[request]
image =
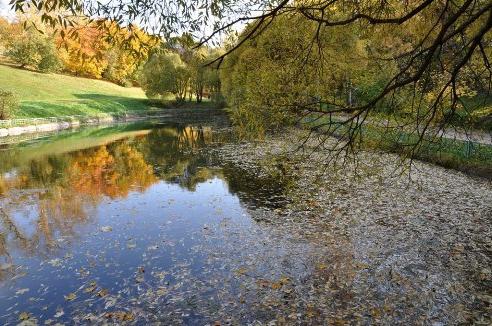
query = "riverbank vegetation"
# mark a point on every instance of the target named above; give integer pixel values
(421, 66)
(89, 69)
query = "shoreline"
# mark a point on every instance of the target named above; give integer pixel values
(55, 124)
(64, 124)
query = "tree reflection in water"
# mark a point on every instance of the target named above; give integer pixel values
(59, 192)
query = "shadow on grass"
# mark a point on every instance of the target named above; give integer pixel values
(113, 101)
(85, 104)
(91, 104)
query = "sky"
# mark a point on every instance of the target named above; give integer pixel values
(5, 10)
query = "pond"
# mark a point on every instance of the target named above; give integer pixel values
(130, 223)
(143, 223)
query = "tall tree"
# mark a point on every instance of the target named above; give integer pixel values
(165, 73)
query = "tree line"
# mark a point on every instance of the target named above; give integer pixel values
(424, 64)
(80, 50)
(160, 67)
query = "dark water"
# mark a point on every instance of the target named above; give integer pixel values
(135, 223)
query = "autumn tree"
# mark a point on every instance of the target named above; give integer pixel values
(126, 55)
(83, 54)
(436, 46)
(34, 50)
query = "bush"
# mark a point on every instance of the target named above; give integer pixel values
(8, 104)
(33, 49)
(126, 83)
(24, 50)
(49, 59)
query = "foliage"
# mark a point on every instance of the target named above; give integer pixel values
(125, 57)
(32, 49)
(8, 32)
(411, 60)
(281, 74)
(165, 73)
(203, 78)
(83, 56)
(264, 82)
(85, 50)
(8, 104)
(103, 53)
(49, 57)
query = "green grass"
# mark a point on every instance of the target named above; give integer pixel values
(54, 95)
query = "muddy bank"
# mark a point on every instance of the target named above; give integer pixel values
(394, 248)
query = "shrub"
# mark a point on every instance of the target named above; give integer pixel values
(25, 50)
(35, 50)
(49, 59)
(8, 104)
(126, 83)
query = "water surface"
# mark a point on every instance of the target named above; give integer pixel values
(173, 222)
(133, 223)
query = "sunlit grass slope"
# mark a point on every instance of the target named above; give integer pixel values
(51, 95)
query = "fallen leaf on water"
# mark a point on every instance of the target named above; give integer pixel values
(276, 285)
(120, 315)
(71, 296)
(92, 286)
(59, 313)
(161, 291)
(486, 298)
(55, 262)
(262, 283)
(5, 266)
(24, 316)
(110, 301)
(22, 291)
(106, 229)
(241, 271)
(102, 293)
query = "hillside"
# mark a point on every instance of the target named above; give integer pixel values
(49, 95)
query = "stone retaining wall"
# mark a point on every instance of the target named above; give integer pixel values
(36, 125)
(55, 126)
(48, 126)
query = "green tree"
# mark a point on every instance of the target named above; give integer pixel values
(271, 80)
(165, 73)
(35, 50)
(50, 61)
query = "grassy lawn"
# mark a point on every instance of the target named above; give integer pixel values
(51, 95)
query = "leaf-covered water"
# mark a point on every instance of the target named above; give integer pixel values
(175, 223)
